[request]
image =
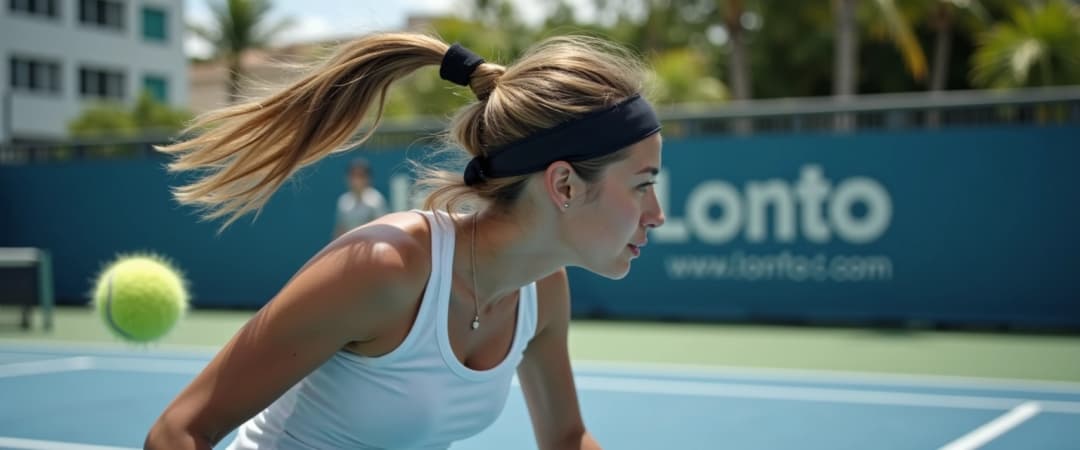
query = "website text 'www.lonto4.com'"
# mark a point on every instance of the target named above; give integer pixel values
(782, 266)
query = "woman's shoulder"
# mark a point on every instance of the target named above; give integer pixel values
(382, 266)
(397, 243)
(372, 275)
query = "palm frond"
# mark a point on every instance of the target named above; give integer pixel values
(903, 36)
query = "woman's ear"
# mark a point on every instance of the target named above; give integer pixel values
(562, 184)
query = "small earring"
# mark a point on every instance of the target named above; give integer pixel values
(566, 205)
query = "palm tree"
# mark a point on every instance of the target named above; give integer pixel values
(738, 59)
(239, 26)
(845, 48)
(846, 44)
(942, 18)
(1039, 46)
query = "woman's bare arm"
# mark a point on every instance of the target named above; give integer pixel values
(546, 377)
(340, 296)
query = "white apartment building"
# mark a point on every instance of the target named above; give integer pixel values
(61, 55)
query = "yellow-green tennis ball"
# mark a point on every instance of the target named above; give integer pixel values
(140, 298)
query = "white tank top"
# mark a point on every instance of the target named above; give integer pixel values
(418, 396)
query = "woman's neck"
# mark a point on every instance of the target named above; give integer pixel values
(509, 255)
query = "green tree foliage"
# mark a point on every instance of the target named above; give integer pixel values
(787, 48)
(1038, 46)
(102, 128)
(103, 120)
(146, 117)
(153, 116)
(685, 76)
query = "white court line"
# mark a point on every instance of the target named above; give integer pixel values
(686, 387)
(826, 395)
(45, 366)
(152, 365)
(636, 368)
(828, 376)
(160, 350)
(616, 384)
(991, 430)
(33, 444)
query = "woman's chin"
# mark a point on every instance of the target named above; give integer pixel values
(616, 271)
(615, 268)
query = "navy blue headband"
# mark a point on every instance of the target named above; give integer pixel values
(596, 134)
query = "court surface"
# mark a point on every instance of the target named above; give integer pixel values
(85, 398)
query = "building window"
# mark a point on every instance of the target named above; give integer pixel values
(154, 25)
(101, 84)
(102, 13)
(34, 75)
(158, 87)
(45, 8)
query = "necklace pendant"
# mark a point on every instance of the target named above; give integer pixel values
(475, 323)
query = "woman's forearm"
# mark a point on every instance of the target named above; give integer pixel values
(164, 437)
(588, 443)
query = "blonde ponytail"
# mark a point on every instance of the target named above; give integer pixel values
(244, 153)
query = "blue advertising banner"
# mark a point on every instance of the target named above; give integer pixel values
(962, 226)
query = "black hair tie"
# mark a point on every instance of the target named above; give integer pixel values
(458, 64)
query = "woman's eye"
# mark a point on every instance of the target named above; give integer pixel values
(643, 187)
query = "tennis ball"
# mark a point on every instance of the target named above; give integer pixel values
(140, 297)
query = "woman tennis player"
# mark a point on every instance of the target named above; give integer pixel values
(405, 332)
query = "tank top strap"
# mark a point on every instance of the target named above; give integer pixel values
(528, 314)
(442, 255)
(442, 265)
(442, 241)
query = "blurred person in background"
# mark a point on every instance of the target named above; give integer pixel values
(362, 203)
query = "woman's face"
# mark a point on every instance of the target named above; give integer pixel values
(610, 229)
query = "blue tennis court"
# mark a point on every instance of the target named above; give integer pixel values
(72, 398)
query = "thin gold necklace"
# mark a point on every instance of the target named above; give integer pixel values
(472, 260)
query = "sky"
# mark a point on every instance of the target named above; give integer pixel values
(318, 19)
